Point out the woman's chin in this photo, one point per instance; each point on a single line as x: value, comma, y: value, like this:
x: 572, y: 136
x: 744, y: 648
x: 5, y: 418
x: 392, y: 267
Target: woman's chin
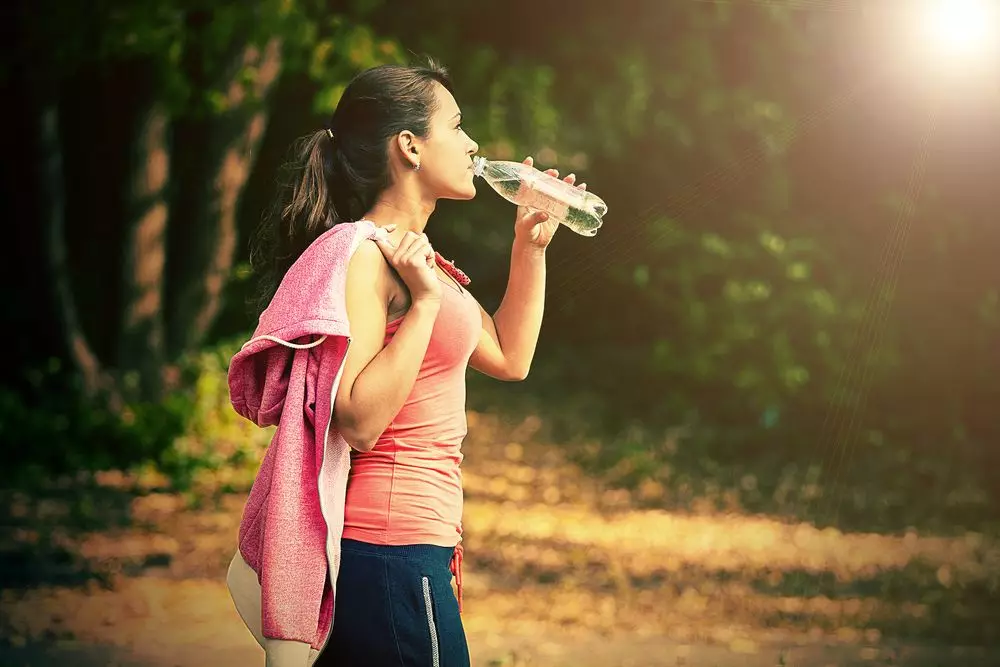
x: 464, y: 194
x: 460, y: 191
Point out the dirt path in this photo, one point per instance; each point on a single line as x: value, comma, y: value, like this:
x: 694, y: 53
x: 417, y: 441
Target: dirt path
x: 518, y: 651
x: 158, y: 623
x: 559, y: 572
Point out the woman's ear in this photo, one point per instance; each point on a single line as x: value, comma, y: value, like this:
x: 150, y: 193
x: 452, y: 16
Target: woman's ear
x: 409, y: 148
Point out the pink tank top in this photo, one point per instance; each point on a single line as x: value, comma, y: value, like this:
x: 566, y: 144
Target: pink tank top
x: 408, y: 488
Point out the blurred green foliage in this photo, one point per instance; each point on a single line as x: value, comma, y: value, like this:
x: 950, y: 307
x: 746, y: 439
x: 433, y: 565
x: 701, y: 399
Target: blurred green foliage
x: 51, y: 429
x: 216, y: 439
x: 739, y: 291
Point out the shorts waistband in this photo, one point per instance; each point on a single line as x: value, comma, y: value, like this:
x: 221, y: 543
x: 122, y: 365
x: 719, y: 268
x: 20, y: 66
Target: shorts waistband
x: 406, y: 551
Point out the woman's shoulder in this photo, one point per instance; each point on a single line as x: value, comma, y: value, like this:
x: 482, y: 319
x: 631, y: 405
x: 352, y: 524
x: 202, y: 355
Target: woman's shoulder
x: 368, y: 260
x: 370, y: 278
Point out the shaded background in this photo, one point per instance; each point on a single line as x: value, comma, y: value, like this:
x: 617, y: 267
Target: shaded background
x: 792, y: 311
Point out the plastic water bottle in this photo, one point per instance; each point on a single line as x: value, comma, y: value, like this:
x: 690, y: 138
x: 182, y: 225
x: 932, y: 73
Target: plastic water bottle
x: 520, y: 184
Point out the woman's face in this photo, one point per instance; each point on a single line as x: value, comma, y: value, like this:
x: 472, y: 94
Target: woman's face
x: 446, y: 155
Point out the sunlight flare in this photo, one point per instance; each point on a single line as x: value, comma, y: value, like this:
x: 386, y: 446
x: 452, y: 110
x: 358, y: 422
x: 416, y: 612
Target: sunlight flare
x: 963, y: 27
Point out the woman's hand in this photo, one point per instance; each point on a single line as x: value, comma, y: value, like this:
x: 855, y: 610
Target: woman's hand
x: 413, y: 259
x: 534, y: 227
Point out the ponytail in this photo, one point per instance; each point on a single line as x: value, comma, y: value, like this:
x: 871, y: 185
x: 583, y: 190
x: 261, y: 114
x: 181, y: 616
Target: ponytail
x: 301, y: 213
x: 337, y: 175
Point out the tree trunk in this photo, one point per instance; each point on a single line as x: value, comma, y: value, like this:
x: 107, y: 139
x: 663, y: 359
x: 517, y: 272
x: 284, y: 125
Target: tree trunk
x: 205, y: 251
x: 96, y: 381
x: 141, y: 341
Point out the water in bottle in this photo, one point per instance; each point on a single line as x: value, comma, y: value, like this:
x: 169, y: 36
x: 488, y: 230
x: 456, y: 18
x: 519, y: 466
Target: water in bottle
x: 520, y: 184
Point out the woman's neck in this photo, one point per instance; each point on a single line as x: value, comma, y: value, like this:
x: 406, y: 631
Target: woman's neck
x: 405, y: 209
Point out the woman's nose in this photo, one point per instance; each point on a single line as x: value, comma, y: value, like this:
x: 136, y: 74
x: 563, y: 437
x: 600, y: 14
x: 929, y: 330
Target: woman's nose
x: 473, y: 148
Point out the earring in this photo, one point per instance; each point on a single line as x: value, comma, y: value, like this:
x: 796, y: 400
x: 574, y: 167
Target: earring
x: 416, y: 167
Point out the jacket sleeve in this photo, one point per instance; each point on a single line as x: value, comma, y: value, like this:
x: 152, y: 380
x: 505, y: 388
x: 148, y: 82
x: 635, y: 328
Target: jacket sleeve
x: 293, y: 567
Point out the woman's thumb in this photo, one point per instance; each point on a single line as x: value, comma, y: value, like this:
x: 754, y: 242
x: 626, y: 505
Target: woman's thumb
x: 384, y: 244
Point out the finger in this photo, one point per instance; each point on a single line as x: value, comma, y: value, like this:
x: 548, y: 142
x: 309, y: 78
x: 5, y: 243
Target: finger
x: 582, y: 186
x: 552, y: 172
x: 397, y: 257
x: 536, y: 217
x: 418, y: 249
x: 571, y: 179
x: 387, y: 248
x: 412, y: 249
x: 404, y: 243
x: 422, y: 245
x: 530, y: 161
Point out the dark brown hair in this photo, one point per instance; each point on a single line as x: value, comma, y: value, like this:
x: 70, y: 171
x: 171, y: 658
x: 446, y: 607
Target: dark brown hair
x: 337, y: 179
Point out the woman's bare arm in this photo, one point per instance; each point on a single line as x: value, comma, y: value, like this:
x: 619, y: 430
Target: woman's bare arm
x: 376, y: 380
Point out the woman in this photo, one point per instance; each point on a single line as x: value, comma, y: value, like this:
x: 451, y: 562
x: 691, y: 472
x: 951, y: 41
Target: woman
x: 394, y: 146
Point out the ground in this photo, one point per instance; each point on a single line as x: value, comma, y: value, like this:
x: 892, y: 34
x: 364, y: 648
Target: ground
x: 559, y: 571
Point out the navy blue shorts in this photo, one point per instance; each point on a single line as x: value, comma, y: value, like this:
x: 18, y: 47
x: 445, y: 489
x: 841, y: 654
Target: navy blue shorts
x: 395, y: 607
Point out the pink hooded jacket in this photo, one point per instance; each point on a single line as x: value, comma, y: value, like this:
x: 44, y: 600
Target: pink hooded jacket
x: 283, y: 576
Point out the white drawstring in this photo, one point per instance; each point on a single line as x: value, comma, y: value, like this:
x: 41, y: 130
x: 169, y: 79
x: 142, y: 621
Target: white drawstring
x: 294, y: 346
